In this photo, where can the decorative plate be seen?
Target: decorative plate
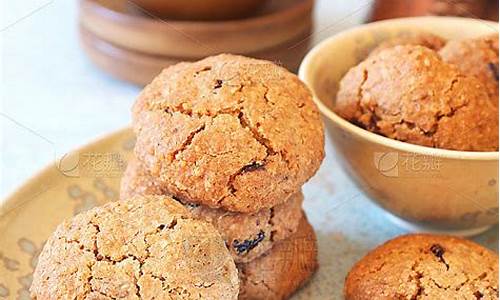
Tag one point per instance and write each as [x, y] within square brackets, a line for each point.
[346, 222]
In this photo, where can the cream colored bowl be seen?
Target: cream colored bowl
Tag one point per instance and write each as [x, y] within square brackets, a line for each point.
[424, 189]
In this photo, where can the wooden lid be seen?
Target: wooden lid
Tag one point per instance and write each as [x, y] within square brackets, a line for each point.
[120, 23]
[200, 9]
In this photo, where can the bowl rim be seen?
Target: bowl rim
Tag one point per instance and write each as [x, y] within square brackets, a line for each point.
[305, 75]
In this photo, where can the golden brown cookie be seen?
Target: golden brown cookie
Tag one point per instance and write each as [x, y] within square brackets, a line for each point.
[247, 236]
[143, 248]
[229, 132]
[283, 270]
[424, 39]
[423, 266]
[409, 94]
[477, 57]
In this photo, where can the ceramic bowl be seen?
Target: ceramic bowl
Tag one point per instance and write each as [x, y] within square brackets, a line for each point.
[422, 188]
[201, 9]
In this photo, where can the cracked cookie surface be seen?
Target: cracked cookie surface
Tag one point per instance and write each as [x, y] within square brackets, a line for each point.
[424, 39]
[409, 94]
[282, 270]
[247, 236]
[143, 248]
[423, 266]
[229, 132]
[477, 57]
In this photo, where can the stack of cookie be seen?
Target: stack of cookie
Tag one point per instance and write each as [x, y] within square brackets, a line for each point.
[233, 139]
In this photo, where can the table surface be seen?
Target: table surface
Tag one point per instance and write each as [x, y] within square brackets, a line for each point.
[54, 100]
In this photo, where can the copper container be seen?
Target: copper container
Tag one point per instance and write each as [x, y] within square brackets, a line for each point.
[388, 9]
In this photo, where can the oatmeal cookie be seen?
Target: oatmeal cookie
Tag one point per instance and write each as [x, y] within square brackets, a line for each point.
[409, 94]
[424, 39]
[143, 248]
[229, 132]
[283, 270]
[247, 236]
[477, 57]
[423, 266]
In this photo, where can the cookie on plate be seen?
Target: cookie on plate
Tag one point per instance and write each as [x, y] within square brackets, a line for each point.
[284, 269]
[143, 248]
[424, 39]
[423, 266]
[409, 94]
[477, 57]
[247, 235]
[229, 132]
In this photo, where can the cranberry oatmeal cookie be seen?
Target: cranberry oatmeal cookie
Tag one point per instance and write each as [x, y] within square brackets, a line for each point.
[409, 94]
[477, 57]
[247, 236]
[283, 270]
[229, 132]
[423, 266]
[142, 248]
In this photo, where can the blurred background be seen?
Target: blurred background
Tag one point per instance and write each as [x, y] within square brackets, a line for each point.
[67, 76]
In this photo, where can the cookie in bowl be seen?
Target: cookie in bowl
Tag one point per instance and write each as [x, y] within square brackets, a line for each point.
[142, 248]
[424, 266]
[408, 93]
[477, 57]
[424, 39]
[452, 191]
[229, 132]
[247, 236]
